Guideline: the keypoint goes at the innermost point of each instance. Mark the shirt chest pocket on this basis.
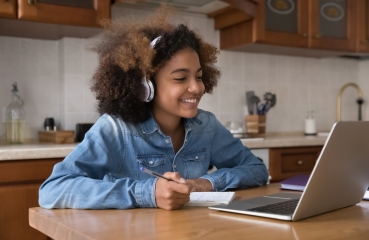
(196, 163)
(198, 155)
(154, 162)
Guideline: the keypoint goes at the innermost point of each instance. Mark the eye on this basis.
(199, 78)
(180, 79)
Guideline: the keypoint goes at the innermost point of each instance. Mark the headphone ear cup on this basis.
(150, 89)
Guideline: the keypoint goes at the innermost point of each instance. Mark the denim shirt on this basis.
(103, 170)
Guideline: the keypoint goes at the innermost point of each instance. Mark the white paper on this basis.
(366, 196)
(210, 198)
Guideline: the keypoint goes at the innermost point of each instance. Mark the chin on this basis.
(190, 114)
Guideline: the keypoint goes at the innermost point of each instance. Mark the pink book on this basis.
(297, 182)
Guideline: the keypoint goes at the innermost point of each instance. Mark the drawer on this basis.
(288, 162)
(33, 170)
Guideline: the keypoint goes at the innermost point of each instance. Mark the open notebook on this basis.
(210, 198)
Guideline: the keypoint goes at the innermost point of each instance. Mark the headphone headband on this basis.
(149, 88)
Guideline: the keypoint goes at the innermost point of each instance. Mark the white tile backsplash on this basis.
(10, 46)
(30, 47)
(54, 81)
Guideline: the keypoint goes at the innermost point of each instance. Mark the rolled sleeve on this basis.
(145, 193)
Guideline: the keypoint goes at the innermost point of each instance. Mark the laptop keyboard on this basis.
(281, 208)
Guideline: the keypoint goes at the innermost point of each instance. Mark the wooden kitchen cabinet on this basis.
(8, 9)
(76, 13)
(19, 184)
(363, 26)
(291, 161)
(52, 19)
(303, 24)
(282, 23)
(333, 24)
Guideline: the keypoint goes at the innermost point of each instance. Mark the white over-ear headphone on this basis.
(149, 88)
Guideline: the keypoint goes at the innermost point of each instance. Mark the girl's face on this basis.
(179, 86)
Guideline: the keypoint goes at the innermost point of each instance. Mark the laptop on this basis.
(339, 179)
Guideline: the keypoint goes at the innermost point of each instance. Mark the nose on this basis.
(196, 86)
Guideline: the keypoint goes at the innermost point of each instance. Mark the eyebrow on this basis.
(184, 70)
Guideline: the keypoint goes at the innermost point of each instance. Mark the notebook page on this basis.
(210, 198)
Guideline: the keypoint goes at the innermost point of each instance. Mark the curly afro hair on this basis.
(125, 56)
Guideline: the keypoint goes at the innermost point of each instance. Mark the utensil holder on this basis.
(256, 125)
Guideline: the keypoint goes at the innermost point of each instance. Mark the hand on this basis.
(200, 185)
(174, 194)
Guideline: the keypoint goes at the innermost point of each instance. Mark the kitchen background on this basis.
(53, 80)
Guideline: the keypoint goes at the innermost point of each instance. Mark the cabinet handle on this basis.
(304, 35)
(317, 36)
(300, 162)
(31, 2)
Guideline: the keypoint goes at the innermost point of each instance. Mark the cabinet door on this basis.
(68, 12)
(333, 24)
(15, 200)
(8, 9)
(363, 26)
(282, 22)
(19, 184)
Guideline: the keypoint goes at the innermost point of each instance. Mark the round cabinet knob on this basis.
(300, 162)
(31, 2)
(317, 36)
(305, 35)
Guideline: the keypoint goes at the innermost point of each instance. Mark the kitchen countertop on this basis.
(284, 141)
(36, 150)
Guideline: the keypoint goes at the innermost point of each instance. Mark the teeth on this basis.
(190, 100)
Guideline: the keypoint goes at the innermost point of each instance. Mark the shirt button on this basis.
(174, 166)
(167, 141)
(151, 162)
(196, 157)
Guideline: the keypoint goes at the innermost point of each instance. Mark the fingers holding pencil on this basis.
(171, 190)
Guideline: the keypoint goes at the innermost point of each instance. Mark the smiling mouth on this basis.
(192, 100)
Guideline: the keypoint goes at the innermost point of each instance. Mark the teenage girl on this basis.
(149, 82)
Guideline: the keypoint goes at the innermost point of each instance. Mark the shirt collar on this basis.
(150, 125)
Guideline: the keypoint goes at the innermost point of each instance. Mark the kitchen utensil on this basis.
(269, 101)
(250, 106)
(255, 100)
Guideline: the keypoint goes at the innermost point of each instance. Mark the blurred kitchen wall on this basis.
(53, 79)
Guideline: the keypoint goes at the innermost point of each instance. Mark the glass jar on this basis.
(14, 119)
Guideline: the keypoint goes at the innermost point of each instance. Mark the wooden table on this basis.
(198, 223)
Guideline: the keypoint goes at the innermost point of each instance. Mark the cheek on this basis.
(166, 97)
(202, 87)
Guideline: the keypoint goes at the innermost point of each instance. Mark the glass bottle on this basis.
(15, 126)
